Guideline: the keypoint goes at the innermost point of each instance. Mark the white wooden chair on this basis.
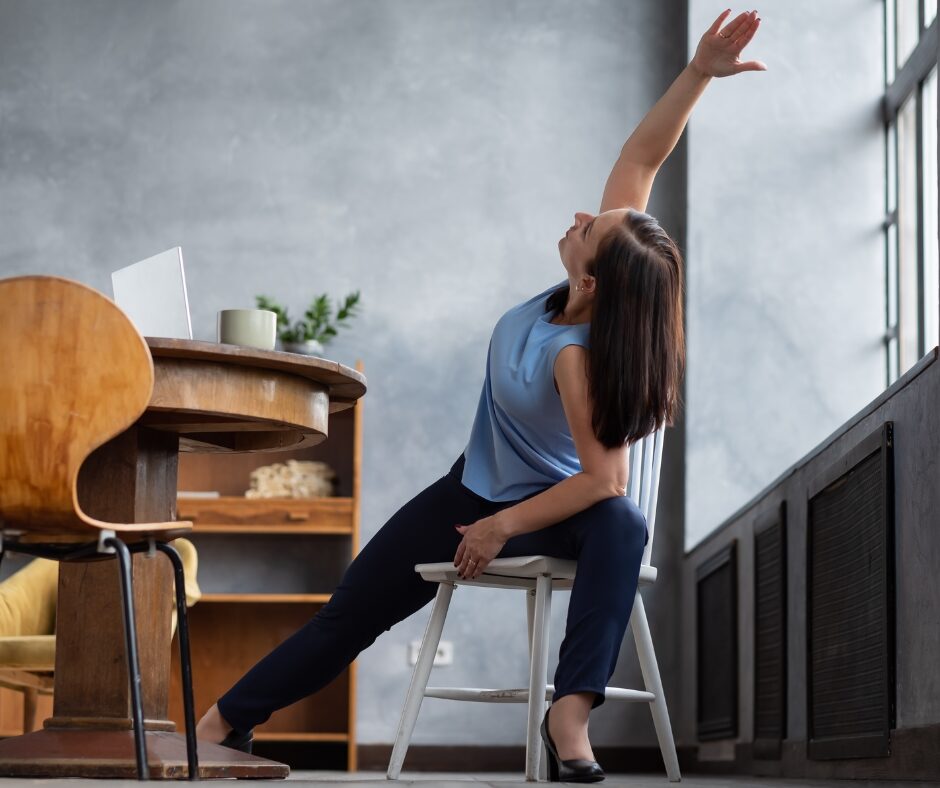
(539, 576)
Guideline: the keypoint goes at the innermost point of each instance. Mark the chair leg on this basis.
(530, 620)
(530, 616)
(650, 669)
(186, 669)
(419, 679)
(538, 670)
(30, 696)
(133, 664)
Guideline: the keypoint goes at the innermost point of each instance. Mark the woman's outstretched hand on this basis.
(481, 543)
(718, 51)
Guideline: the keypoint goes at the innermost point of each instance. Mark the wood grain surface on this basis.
(75, 373)
(345, 385)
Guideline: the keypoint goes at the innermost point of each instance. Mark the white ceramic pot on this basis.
(309, 347)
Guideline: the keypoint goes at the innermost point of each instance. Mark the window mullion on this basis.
(919, 157)
(914, 71)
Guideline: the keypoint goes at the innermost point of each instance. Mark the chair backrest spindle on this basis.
(636, 461)
(646, 457)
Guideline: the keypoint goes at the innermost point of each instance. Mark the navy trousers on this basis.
(380, 588)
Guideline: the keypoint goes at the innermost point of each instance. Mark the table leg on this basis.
(132, 478)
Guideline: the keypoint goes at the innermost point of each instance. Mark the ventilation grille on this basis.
(717, 639)
(850, 593)
(770, 634)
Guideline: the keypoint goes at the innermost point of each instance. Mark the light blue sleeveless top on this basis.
(520, 442)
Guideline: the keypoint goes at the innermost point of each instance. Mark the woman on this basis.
(574, 376)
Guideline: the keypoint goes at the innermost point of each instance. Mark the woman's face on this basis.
(578, 246)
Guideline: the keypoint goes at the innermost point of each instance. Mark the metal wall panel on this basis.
(850, 603)
(770, 634)
(717, 602)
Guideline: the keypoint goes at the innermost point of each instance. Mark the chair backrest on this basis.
(646, 457)
(74, 372)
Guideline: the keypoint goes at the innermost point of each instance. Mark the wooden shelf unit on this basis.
(317, 599)
(252, 599)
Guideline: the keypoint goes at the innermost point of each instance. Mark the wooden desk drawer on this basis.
(268, 515)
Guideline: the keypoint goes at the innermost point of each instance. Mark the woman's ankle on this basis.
(213, 726)
(567, 724)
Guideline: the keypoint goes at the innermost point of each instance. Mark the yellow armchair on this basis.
(27, 625)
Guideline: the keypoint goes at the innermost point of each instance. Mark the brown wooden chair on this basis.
(76, 373)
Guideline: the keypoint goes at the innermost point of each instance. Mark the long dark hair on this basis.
(637, 339)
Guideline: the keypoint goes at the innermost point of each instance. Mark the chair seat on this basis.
(518, 572)
(129, 533)
(28, 652)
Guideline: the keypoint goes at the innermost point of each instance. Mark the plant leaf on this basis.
(348, 308)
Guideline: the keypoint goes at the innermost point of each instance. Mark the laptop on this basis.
(152, 293)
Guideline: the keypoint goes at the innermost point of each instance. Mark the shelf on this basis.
(269, 529)
(239, 515)
(265, 736)
(316, 599)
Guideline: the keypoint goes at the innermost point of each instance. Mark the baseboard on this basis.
(915, 755)
(443, 758)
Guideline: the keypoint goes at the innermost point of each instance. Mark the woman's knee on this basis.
(615, 517)
(620, 507)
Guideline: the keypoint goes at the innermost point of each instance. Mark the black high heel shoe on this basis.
(576, 770)
(238, 740)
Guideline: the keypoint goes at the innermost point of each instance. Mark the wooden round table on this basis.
(206, 397)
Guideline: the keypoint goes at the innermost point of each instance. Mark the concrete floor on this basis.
(446, 780)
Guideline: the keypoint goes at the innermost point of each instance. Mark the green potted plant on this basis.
(318, 325)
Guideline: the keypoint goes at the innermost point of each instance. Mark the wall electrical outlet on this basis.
(444, 655)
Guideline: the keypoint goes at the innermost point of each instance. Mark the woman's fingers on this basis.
(478, 568)
(716, 25)
(744, 38)
(462, 559)
(468, 566)
(732, 27)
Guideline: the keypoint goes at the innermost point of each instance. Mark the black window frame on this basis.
(908, 81)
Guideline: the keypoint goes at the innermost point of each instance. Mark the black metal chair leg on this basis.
(186, 669)
(133, 663)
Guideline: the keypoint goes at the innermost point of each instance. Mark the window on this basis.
(912, 259)
(930, 228)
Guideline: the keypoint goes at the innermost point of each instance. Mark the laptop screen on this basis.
(152, 293)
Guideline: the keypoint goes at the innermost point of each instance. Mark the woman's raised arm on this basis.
(631, 179)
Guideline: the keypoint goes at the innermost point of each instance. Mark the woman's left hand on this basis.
(717, 54)
(481, 543)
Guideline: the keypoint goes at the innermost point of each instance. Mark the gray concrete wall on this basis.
(911, 405)
(429, 153)
(785, 252)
